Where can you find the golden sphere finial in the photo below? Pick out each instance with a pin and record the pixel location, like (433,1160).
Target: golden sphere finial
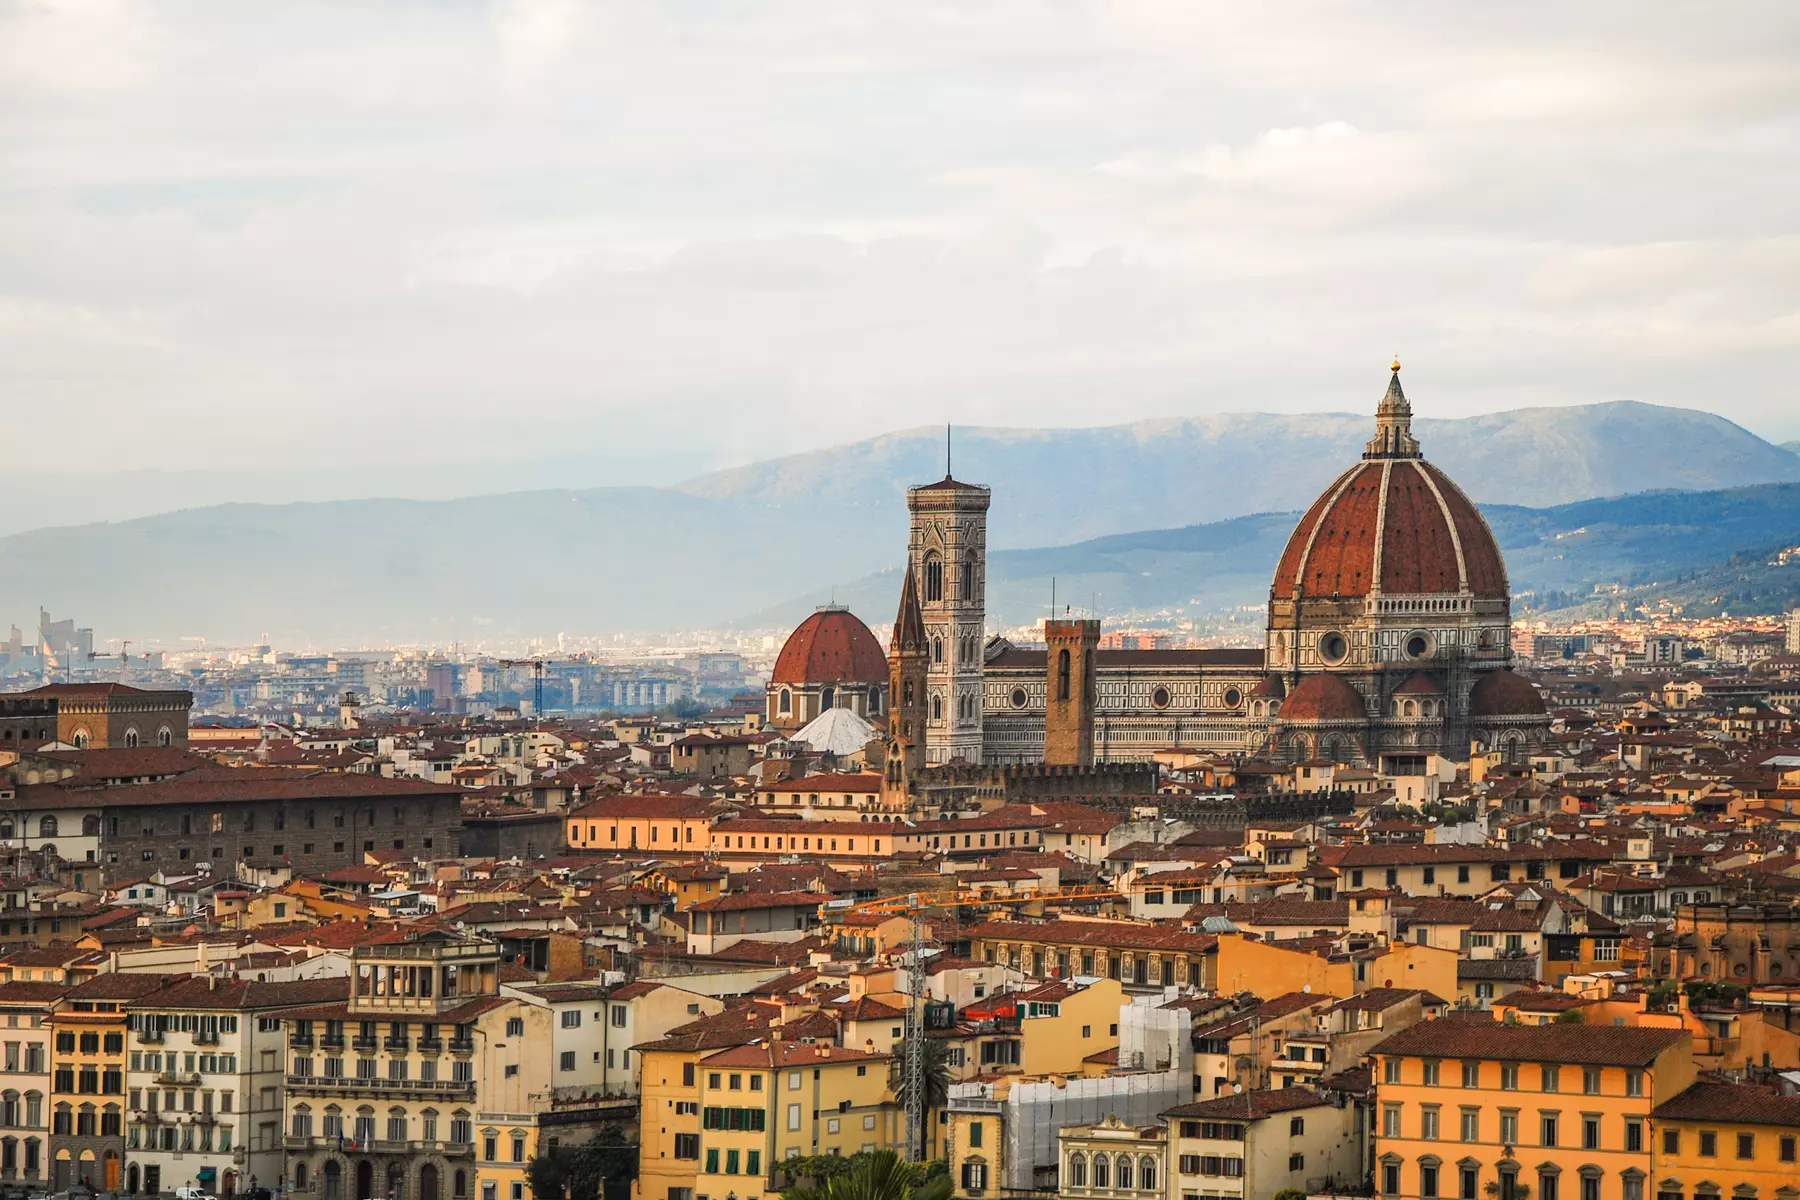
(1396,367)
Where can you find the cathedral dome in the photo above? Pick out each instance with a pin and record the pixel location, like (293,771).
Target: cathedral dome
(1505,694)
(831,646)
(1324,698)
(1392,524)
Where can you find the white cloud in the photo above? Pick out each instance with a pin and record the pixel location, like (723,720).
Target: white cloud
(416,229)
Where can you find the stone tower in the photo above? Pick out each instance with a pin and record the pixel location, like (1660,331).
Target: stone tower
(947,553)
(1069,692)
(907,682)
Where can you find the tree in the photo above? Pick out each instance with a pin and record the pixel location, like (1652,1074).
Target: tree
(937,1081)
(603,1167)
(876,1175)
(1290,1193)
(1569,1016)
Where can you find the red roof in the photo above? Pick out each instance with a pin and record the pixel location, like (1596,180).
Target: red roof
(1432,538)
(1505,694)
(831,646)
(1324,698)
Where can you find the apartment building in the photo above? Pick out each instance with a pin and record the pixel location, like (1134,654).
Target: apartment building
(25,1081)
(593,1027)
(1557,1112)
(1260,1142)
(1724,1139)
(387,1091)
(204,1082)
(87,1086)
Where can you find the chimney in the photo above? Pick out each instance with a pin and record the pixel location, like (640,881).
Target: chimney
(212,983)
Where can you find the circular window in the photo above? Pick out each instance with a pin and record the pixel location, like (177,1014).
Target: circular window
(1333,648)
(1740,969)
(1160,697)
(1018,698)
(1233,697)
(1418,646)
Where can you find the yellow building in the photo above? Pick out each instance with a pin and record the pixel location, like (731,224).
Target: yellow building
(662,824)
(1559,1112)
(87,1090)
(763,1103)
(669,1120)
(1724,1139)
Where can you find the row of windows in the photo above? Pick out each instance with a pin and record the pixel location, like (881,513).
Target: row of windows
(1467,1182)
(179,1138)
(1141,968)
(1549,1128)
(362,1127)
(1121,1172)
(1548,1078)
(89,1081)
(399,1070)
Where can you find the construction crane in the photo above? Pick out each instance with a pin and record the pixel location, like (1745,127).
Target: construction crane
(124,657)
(916,905)
(537,684)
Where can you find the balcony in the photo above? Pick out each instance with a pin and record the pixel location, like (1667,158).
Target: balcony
(462,1045)
(338,1085)
(431,1045)
(332,1041)
(178,1078)
(150,1037)
(206,1118)
(396,1043)
(360,1042)
(206,1037)
(301,1041)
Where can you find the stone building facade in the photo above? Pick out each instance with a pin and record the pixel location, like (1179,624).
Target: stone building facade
(1388,640)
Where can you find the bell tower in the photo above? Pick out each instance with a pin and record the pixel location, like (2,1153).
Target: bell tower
(906,697)
(947,554)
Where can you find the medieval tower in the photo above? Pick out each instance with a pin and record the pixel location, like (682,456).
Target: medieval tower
(947,553)
(1069,692)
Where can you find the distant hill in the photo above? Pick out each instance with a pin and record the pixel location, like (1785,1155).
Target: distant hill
(770,539)
(1056,486)
(1709,550)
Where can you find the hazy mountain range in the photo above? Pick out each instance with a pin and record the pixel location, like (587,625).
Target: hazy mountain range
(767,540)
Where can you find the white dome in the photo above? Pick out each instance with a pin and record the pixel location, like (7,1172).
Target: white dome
(836,730)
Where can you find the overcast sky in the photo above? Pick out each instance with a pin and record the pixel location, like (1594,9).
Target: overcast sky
(698,233)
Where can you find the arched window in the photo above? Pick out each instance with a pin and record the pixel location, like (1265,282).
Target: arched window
(787,701)
(934,577)
(131,738)
(1146,1174)
(971,577)
(827,699)
(1077,1170)
(1062,674)
(937,708)
(165,736)
(300,1176)
(80,739)
(937,650)
(1102,1171)
(1123,1172)
(47,827)
(906,694)
(874,701)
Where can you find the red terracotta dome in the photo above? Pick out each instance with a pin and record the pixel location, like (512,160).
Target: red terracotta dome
(831,646)
(1505,694)
(1392,523)
(1324,698)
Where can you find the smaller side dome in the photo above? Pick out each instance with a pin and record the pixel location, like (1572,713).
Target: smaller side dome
(1271,688)
(1505,693)
(1324,698)
(1419,684)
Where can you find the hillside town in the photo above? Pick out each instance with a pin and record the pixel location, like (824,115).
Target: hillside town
(1406,902)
